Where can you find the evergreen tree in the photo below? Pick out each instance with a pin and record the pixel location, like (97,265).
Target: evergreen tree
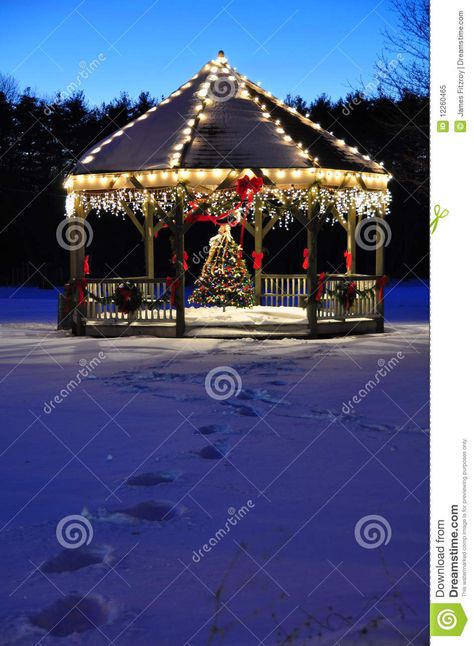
(225,280)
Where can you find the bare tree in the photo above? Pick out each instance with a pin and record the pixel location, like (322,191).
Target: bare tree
(9,87)
(404,65)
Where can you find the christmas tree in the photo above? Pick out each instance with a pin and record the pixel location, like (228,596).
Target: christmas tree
(224,280)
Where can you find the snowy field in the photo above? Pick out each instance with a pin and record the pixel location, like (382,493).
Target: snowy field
(211,520)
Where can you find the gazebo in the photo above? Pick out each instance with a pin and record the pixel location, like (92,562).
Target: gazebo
(222,149)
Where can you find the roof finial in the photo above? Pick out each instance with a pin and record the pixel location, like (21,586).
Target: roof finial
(221,56)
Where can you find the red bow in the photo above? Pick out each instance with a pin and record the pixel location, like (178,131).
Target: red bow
(257,262)
(306,258)
(185,257)
(319,291)
(172,284)
(348,257)
(246,187)
(380,283)
(86,267)
(126,294)
(350,295)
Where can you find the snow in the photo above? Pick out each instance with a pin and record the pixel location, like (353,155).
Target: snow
(158,467)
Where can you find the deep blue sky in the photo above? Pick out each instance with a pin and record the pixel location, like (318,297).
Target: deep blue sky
(291,46)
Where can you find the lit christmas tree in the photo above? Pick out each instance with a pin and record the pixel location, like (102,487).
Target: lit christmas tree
(224,280)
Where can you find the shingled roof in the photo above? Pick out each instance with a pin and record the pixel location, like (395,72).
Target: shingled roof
(220,119)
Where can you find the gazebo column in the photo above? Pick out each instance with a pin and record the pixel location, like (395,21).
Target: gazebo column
(312,274)
(258,243)
(77,253)
(380,246)
(180,273)
(380,264)
(351,240)
(148,238)
(77,232)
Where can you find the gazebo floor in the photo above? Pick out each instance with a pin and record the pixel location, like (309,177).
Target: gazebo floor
(257,322)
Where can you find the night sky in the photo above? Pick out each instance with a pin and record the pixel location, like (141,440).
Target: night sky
(293,47)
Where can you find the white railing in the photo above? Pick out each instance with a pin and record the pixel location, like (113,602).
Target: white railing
(152,290)
(364,305)
(280,290)
(291,291)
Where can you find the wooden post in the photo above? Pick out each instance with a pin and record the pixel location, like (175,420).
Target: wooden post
(380,265)
(380,246)
(77,234)
(148,237)
(258,244)
(351,241)
(180,273)
(76,262)
(312,275)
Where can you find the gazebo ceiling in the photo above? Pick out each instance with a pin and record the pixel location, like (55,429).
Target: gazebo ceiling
(220,119)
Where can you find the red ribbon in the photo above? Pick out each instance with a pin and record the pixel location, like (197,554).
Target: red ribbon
(257,262)
(126,295)
(348,257)
(246,189)
(172,284)
(380,283)
(319,291)
(86,267)
(185,257)
(350,295)
(306,258)
(165,226)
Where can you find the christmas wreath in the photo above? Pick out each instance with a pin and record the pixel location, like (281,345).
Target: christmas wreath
(127,298)
(74,292)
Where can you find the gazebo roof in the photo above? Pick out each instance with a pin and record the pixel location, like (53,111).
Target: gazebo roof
(220,119)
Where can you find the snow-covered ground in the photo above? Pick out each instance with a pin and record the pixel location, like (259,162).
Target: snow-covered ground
(213,520)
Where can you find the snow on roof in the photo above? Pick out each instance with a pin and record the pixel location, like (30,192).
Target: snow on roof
(220,119)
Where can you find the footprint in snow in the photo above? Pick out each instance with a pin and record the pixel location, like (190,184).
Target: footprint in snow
(71,560)
(72,614)
(151,510)
(240,409)
(151,479)
(210,429)
(212,452)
